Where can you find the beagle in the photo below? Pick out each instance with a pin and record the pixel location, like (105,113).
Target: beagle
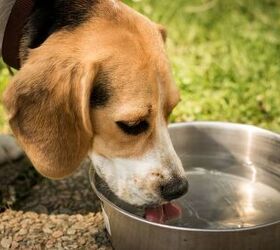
(95,81)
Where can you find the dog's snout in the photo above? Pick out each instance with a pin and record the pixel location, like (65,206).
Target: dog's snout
(174,188)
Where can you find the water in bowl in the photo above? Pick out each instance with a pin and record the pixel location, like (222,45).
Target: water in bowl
(226,200)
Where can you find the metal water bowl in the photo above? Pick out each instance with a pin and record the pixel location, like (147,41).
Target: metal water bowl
(234,193)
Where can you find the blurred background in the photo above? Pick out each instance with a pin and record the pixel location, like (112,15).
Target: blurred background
(225,57)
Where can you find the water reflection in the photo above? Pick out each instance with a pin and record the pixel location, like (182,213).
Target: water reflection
(249,190)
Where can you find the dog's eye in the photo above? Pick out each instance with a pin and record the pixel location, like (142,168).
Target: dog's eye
(133,128)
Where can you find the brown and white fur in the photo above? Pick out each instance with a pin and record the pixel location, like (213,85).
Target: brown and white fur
(101,87)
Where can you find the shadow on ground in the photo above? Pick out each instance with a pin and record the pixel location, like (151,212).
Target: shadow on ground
(28,191)
(23,189)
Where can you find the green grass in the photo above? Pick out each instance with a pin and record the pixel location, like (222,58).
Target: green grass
(4,78)
(225,57)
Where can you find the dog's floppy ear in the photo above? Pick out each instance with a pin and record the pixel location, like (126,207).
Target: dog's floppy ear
(48,105)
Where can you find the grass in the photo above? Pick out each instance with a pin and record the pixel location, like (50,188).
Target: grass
(225,57)
(4,79)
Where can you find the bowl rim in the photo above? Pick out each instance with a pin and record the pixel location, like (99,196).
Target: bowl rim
(230,125)
(178,125)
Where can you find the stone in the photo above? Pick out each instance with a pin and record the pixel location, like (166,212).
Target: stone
(93,230)
(9,149)
(49,244)
(14,245)
(31,215)
(71,231)
(47,230)
(82,241)
(57,234)
(6,242)
(79,217)
(22,231)
(18,238)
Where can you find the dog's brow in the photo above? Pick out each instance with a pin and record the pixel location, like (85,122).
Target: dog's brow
(101,92)
(134,114)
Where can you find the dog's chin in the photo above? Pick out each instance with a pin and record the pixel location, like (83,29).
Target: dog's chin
(121,201)
(130,187)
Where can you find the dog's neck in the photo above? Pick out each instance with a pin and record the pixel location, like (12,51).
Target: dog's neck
(5,10)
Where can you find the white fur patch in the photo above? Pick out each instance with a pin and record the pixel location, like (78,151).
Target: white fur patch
(129,179)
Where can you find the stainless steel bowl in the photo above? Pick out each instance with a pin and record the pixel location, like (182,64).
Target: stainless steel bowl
(233,200)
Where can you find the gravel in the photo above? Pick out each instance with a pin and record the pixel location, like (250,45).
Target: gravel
(62,214)
(30,230)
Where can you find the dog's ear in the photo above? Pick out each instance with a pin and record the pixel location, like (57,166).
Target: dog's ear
(48,106)
(162,31)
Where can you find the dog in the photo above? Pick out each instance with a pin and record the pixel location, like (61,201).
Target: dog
(94,80)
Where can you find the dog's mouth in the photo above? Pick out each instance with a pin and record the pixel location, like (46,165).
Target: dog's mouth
(158,213)
(163,213)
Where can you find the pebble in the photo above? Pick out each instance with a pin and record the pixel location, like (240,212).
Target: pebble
(22,231)
(93,230)
(71,231)
(49,244)
(79,217)
(74,246)
(6,242)
(18,238)
(47,230)
(81,241)
(57,234)
(14,245)
(31,215)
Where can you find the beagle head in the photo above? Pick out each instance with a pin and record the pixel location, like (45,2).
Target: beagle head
(102,88)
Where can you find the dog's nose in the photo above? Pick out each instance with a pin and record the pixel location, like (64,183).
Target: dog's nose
(174,188)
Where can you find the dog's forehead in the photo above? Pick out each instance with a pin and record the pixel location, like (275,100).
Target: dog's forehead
(116,28)
(131,51)
(137,83)
(119,43)
(137,99)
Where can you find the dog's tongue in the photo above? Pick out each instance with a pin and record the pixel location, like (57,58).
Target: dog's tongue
(154,214)
(163,213)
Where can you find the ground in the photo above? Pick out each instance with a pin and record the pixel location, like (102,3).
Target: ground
(225,57)
(37,213)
